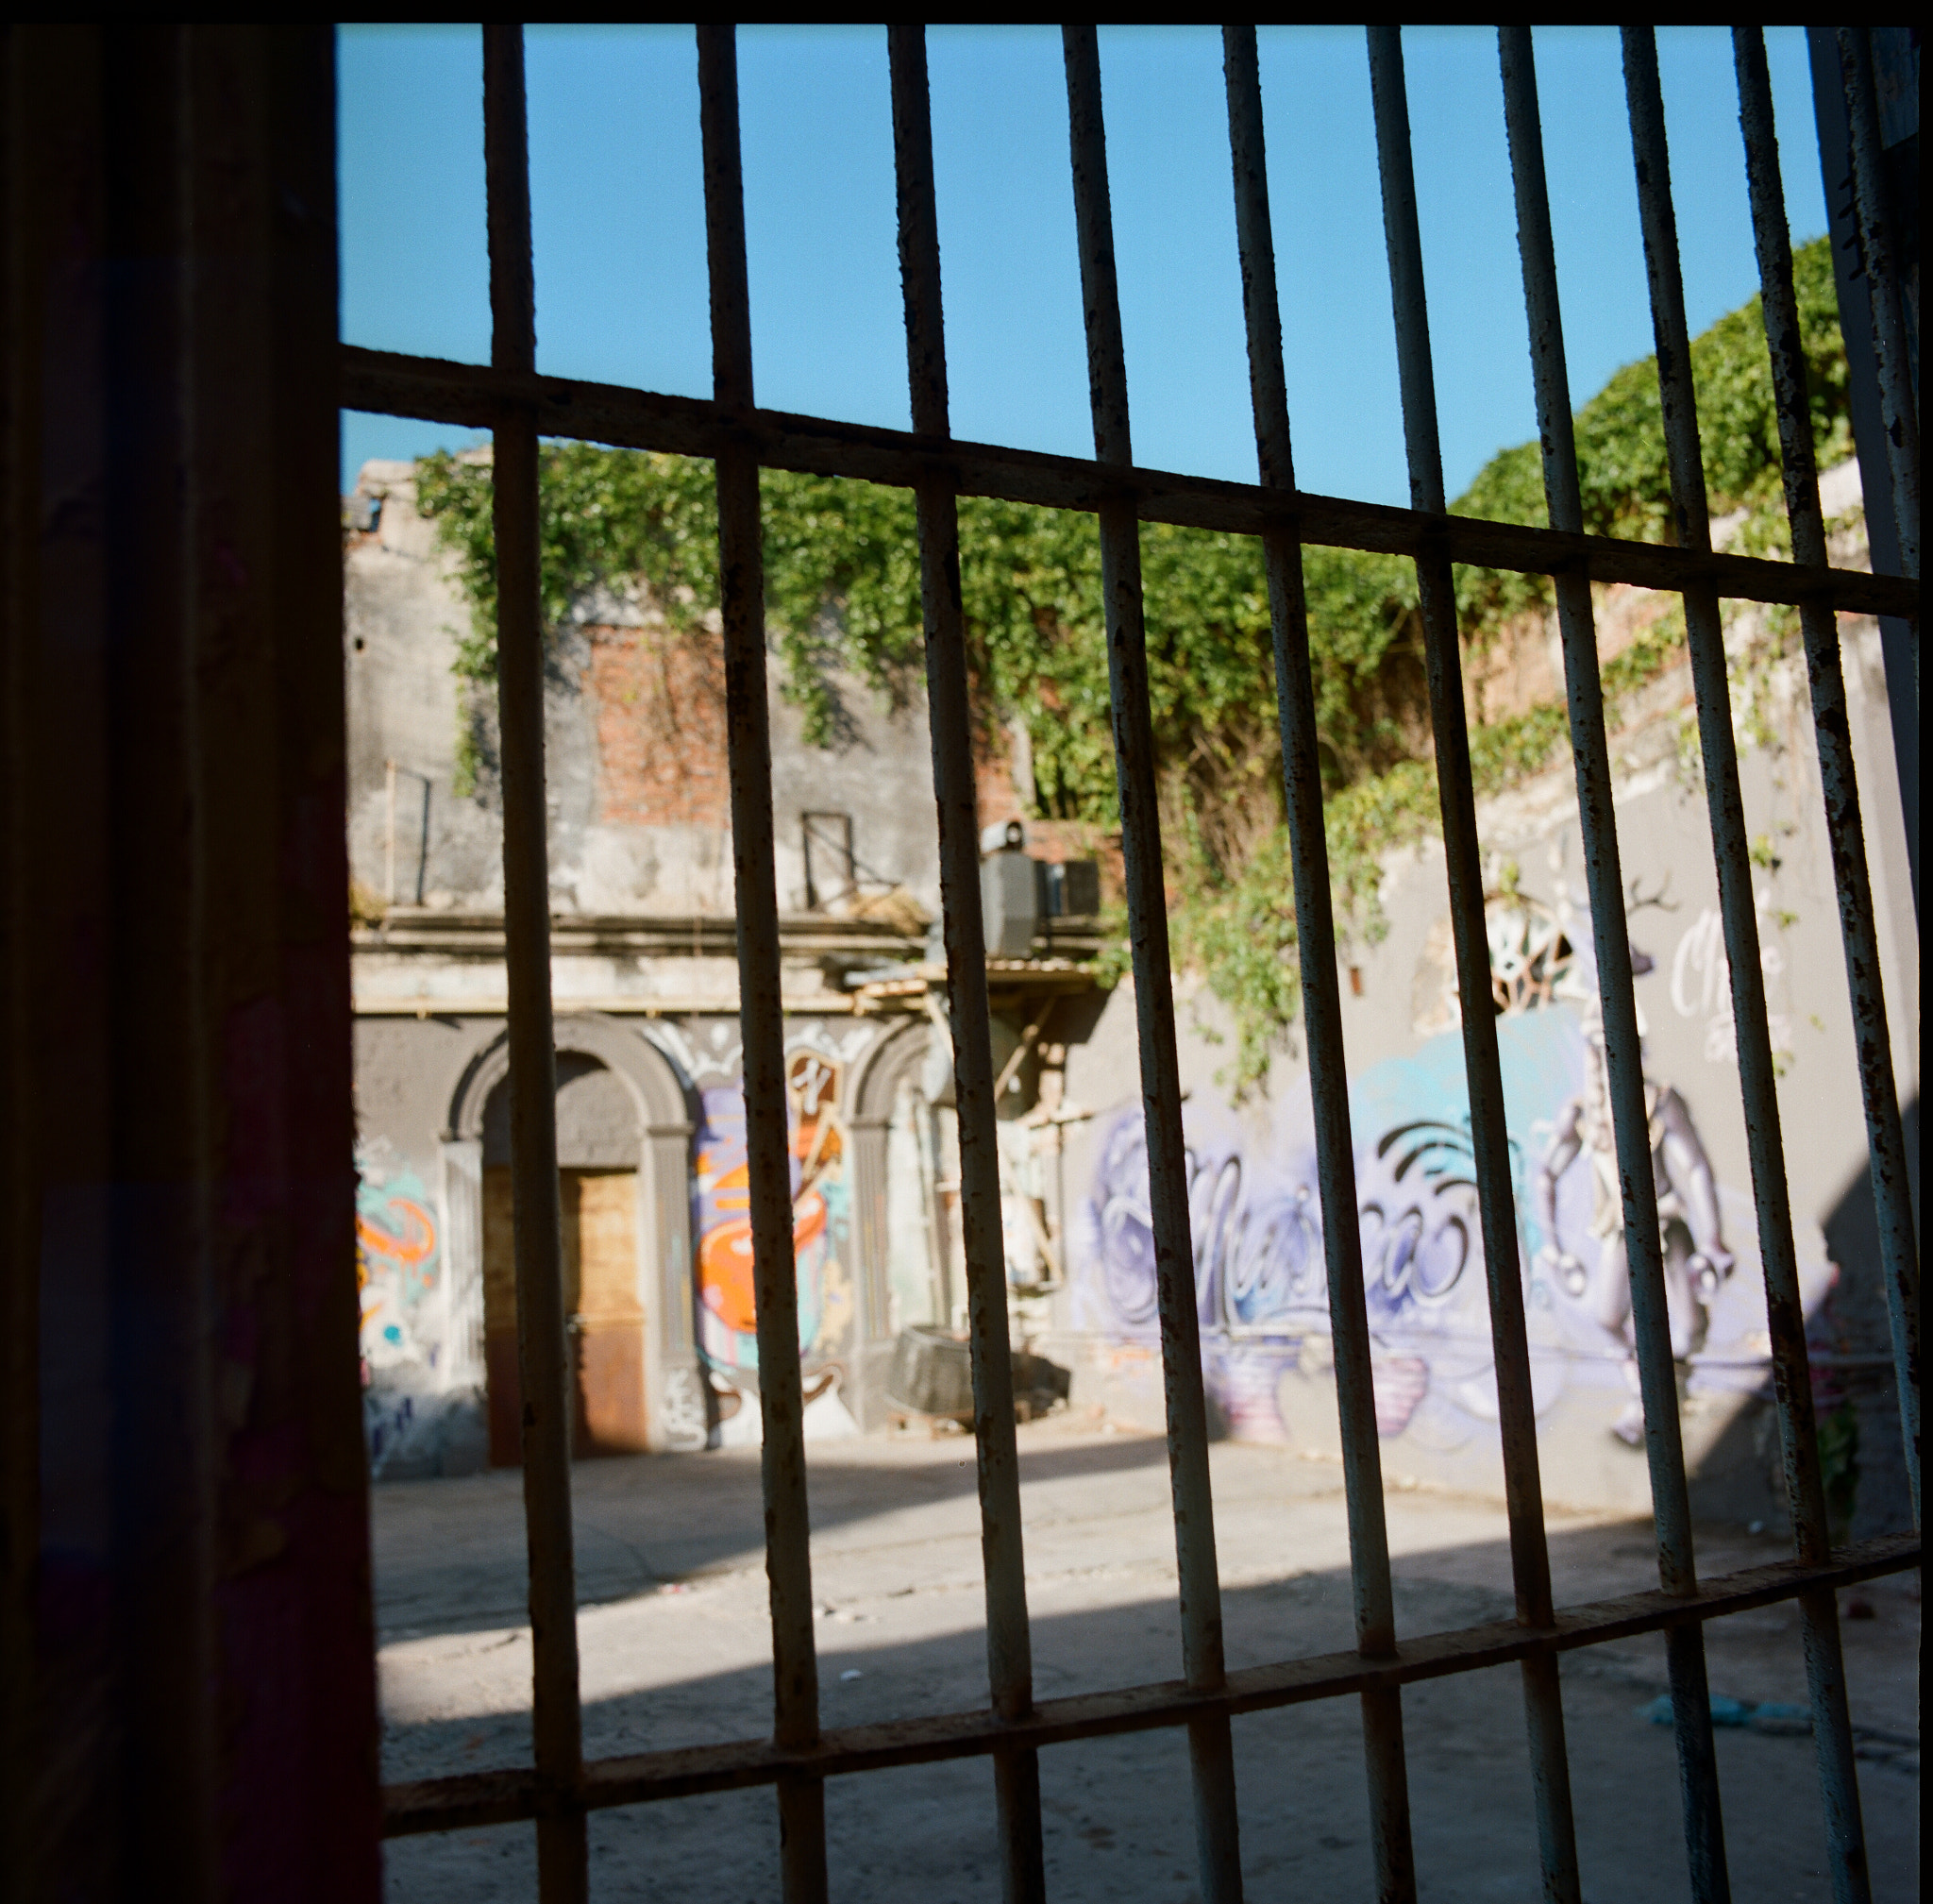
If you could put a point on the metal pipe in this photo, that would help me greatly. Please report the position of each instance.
(1376, 1620)
(1891, 347)
(1490, 1141)
(1009, 1647)
(761, 1014)
(543, 1346)
(1624, 1058)
(1210, 1748)
(1832, 727)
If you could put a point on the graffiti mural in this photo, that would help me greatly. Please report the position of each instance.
(396, 1262)
(399, 1275)
(821, 1228)
(1696, 1261)
(1261, 1270)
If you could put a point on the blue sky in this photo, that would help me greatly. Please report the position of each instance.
(617, 213)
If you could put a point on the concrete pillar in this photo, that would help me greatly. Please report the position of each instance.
(679, 1422)
(462, 1263)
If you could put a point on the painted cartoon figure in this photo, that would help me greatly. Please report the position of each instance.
(1696, 1261)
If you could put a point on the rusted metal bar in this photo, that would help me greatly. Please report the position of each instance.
(543, 1347)
(1838, 783)
(1376, 1620)
(1900, 409)
(1503, 1270)
(1211, 1752)
(475, 395)
(1737, 906)
(477, 1798)
(1623, 1055)
(1898, 637)
(1009, 1647)
(761, 1016)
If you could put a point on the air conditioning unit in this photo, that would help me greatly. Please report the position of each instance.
(1021, 897)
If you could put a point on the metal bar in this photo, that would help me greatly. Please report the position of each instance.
(1838, 783)
(475, 396)
(761, 1015)
(1211, 1752)
(1739, 909)
(1621, 1054)
(477, 1798)
(1376, 1620)
(1503, 1270)
(1785, 1313)
(543, 1346)
(1009, 1647)
(1898, 640)
(1900, 410)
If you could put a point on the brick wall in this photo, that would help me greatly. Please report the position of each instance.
(660, 701)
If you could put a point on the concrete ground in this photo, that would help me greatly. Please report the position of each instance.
(674, 1643)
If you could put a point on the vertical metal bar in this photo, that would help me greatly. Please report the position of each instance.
(543, 1352)
(1819, 1613)
(1898, 641)
(1892, 1192)
(1009, 1647)
(1517, 1412)
(761, 1025)
(1210, 1748)
(1375, 1620)
(1900, 410)
(1786, 1314)
(1624, 1060)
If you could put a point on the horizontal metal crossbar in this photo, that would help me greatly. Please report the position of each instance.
(499, 1797)
(476, 396)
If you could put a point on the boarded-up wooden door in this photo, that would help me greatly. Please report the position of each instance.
(606, 1319)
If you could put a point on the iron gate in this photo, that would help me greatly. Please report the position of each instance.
(510, 399)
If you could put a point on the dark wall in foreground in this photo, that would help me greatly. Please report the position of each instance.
(185, 1647)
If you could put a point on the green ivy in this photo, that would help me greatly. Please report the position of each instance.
(842, 592)
(1623, 479)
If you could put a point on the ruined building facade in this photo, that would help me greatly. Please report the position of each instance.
(651, 1117)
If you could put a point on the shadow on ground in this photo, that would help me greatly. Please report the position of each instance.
(1117, 1815)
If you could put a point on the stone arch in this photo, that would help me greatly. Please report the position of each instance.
(896, 1057)
(664, 1095)
(662, 1099)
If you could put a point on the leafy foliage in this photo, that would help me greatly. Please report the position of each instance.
(842, 587)
(1622, 478)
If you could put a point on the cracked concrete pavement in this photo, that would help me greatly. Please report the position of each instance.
(674, 1645)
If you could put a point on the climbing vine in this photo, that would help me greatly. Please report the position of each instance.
(842, 590)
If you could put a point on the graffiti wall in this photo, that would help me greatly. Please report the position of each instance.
(1260, 1267)
(821, 1239)
(399, 1274)
(396, 1267)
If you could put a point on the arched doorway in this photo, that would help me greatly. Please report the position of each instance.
(600, 1143)
(624, 1132)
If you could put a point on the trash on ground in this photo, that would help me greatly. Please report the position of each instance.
(1769, 1715)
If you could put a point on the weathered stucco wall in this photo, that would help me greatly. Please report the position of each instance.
(634, 763)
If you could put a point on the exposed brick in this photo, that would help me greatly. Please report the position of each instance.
(661, 727)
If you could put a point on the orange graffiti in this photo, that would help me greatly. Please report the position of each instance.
(417, 1240)
(725, 1260)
